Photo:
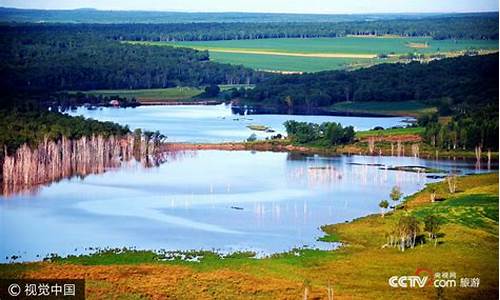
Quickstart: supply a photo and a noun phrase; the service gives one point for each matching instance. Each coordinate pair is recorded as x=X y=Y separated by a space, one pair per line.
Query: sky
x=281 y=6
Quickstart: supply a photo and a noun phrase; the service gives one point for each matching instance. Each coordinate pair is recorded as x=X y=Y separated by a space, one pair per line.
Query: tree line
x=464 y=131
x=453 y=26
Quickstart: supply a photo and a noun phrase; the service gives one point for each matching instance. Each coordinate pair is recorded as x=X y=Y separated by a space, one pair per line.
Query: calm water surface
x=214 y=123
x=189 y=203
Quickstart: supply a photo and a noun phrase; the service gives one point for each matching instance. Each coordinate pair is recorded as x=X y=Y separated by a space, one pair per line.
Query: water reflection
x=264 y=201
x=29 y=168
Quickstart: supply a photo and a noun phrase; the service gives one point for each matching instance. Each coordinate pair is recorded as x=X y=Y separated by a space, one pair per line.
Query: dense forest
x=48 y=57
x=465 y=80
x=452 y=26
x=467 y=27
x=51 y=59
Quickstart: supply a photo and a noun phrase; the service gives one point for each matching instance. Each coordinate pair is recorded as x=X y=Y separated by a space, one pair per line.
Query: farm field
x=286 y=64
x=319 y=54
x=344 y=45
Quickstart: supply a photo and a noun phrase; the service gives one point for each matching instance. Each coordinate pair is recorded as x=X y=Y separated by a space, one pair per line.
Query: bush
x=252 y=138
x=328 y=133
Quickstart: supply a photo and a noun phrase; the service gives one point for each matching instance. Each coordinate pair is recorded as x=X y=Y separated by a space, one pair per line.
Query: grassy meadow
x=320 y=54
x=391 y=132
x=176 y=93
x=360 y=269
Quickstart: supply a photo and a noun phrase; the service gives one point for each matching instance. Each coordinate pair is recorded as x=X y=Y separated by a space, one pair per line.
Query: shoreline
x=161 y=102
x=358 y=148
x=258 y=110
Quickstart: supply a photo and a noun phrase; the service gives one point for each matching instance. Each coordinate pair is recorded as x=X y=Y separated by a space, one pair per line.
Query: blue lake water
x=265 y=202
x=189 y=203
x=215 y=123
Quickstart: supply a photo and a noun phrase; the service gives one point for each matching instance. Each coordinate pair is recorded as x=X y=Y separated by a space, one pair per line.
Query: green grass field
x=407 y=108
x=177 y=93
x=351 y=45
x=244 y=51
x=288 y=63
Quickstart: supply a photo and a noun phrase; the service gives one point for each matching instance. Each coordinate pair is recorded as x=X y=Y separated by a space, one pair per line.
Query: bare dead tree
x=452 y=183
x=478 y=152
x=371 y=144
x=415 y=149
x=53 y=160
x=433 y=195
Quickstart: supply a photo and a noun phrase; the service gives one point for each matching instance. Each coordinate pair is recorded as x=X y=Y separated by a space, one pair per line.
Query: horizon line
x=250 y=12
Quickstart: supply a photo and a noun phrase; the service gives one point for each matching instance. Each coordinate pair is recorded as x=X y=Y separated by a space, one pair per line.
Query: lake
x=215 y=123
x=266 y=202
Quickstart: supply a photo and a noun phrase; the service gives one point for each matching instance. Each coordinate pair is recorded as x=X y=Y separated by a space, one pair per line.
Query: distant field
x=177 y=93
x=319 y=54
x=345 y=45
x=167 y=94
x=287 y=63
x=391 y=132
x=407 y=108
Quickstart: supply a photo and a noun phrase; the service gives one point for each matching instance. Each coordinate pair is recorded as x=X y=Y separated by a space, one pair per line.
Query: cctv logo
x=421 y=279
x=408 y=281
x=412 y=281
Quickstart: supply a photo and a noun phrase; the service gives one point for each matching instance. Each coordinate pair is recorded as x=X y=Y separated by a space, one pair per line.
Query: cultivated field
x=285 y=64
x=319 y=54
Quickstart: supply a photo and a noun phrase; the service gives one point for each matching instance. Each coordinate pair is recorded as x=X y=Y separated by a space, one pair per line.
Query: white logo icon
x=408 y=281
x=14 y=290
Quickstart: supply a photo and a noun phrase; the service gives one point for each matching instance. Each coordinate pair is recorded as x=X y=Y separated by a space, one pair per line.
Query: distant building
x=114 y=102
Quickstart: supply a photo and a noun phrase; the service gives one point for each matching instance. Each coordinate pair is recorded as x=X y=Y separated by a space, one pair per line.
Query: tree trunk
x=53 y=160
